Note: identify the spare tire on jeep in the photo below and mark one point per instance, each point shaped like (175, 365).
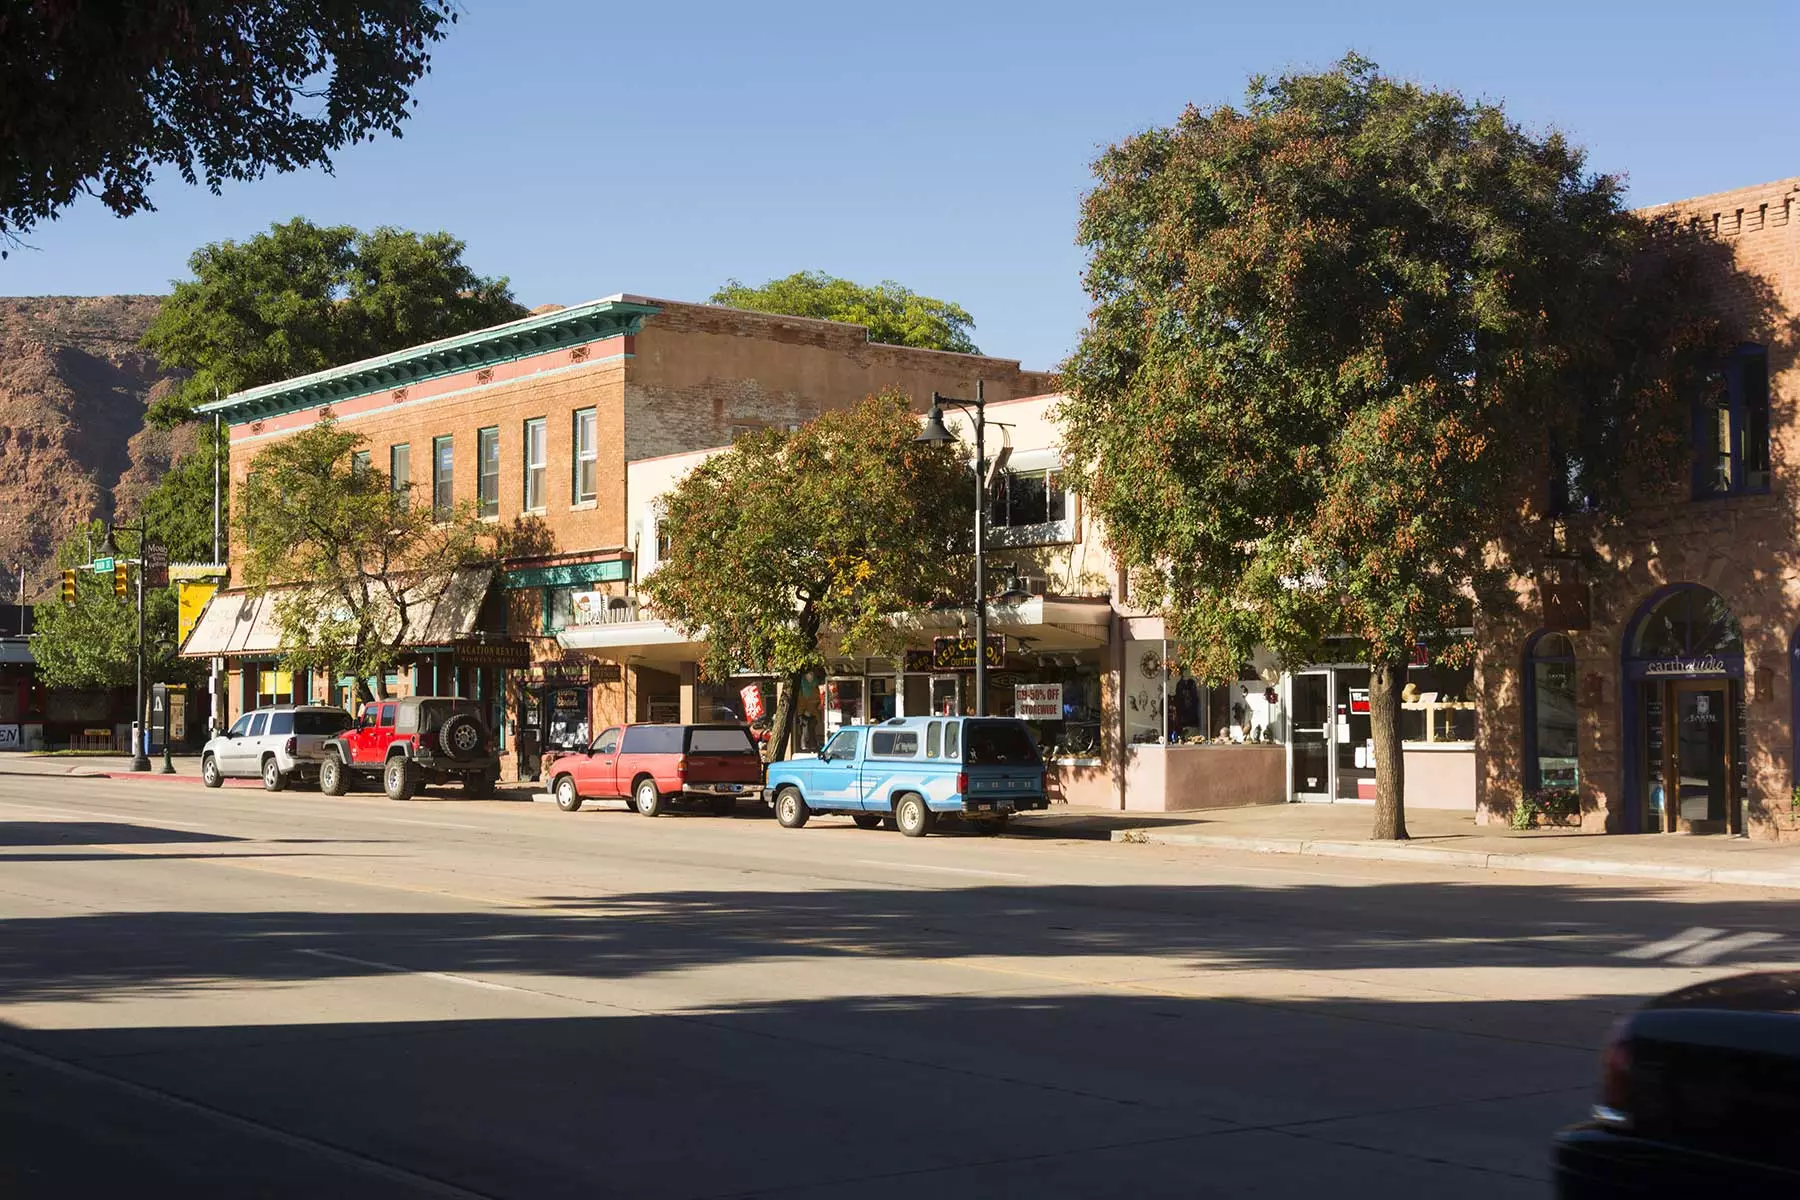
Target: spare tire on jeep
(461, 736)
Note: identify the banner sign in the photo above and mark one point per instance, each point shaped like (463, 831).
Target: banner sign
(754, 708)
(191, 596)
(1038, 701)
(958, 653)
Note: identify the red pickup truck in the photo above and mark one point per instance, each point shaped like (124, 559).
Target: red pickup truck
(652, 766)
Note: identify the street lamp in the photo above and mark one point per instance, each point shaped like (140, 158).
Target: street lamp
(934, 431)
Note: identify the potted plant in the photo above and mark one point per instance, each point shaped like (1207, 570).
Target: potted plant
(1551, 806)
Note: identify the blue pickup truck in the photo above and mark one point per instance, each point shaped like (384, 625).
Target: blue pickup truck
(911, 770)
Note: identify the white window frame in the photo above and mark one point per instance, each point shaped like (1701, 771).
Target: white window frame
(585, 455)
(537, 464)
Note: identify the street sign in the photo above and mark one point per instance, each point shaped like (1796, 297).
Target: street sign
(156, 555)
(102, 566)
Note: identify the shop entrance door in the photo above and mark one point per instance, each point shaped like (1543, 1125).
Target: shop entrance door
(1309, 748)
(1698, 771)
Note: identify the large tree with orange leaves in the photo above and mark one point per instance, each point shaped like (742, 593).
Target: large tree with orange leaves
(1338, 336)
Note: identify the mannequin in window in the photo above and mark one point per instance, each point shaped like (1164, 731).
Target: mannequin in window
(1187, 701)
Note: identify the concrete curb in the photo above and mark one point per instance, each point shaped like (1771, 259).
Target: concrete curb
(1486, 860)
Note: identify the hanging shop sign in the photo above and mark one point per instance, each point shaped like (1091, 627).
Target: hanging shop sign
(1565, 606)
(1705, 664)
(1038, 701)
(958, 653)
(472, 652)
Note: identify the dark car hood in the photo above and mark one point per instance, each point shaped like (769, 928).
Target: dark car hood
(1762, 991)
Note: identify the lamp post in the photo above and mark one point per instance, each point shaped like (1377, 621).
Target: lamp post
(934, 431)
(140, 759)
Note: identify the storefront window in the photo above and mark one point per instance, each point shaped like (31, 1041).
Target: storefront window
(1550, 754)
(1060, 700)
(1436, 704)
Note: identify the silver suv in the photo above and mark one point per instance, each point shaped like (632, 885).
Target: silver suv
(279, 744)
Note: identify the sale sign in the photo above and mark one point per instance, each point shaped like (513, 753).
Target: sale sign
(1038, 701)
(754, 709)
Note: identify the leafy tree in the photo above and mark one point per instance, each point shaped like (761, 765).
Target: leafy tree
(351, 561)
(895, 315)
(304, 297)
(95, 97)
(93, 642)
(1335, 336)
(787, 539)
(179, 508)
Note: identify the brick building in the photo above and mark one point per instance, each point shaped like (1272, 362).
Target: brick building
(1661, 679)
(539, 418)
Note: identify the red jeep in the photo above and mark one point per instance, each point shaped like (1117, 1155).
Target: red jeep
(648, 766)
(413, 743)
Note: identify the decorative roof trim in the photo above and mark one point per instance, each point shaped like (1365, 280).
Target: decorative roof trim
(593, 321)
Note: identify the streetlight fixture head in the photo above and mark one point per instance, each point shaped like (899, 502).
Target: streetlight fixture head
(934, 430)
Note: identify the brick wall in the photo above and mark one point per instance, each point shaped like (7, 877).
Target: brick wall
(700, 371)
(507, 406)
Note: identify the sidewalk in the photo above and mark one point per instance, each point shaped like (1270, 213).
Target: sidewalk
(1441, 838)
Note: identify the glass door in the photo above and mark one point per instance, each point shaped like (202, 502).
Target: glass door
(1699, 746)
(1354, 750)
(946, 695)
(1309, 747)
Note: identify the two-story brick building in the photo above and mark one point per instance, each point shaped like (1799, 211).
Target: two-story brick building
(538, 418)
(1660, 679)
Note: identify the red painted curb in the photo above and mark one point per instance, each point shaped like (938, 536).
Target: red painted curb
(155, 777)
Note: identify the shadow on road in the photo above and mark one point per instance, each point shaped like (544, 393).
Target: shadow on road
(97, 833)
(1320, 928)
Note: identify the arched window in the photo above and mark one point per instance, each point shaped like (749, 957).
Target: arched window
(1550, 753)
(1688, 622)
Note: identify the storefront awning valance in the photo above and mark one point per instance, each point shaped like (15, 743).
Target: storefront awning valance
(238, 622)
(1047, 622)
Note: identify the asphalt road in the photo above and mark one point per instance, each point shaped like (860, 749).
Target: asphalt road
(230, 993)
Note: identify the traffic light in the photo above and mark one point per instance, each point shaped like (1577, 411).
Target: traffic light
(68, 588)
(121, 579)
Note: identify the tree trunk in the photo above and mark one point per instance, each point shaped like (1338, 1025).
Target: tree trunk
(1385, 681)
(782, 726)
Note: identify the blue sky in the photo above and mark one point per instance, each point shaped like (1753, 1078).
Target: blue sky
(584, 149)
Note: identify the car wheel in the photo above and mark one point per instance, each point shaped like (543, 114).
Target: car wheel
(914, 819)
(334, 777)
(209, 772)
(649, 800)
(399, 780)
(567, 798)
(478, 787)
(790, 808)
(723, 806)
(867, 820)
(271, 773)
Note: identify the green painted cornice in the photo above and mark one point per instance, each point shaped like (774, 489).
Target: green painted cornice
(465, 352)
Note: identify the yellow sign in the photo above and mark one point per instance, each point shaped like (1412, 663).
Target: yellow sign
(279, 684)
(192, 595)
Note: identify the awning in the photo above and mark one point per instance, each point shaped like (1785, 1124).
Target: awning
(1045, 623)
(239, 622)
(649, 643)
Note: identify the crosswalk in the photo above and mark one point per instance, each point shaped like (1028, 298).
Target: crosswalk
(1699, 946)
